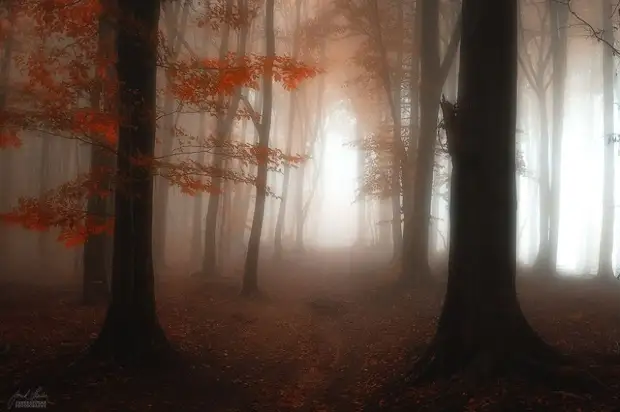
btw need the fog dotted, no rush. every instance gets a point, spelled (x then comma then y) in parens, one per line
(352, 111)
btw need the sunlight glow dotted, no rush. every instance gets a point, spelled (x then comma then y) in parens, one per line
(337, 220)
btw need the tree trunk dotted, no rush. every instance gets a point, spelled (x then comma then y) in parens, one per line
(197, 247)
(97, 249)
(414, 131)
(222, 133)
(481, 329)
(605, 267)
(415, 259)
(131, 332)
(250, 275)
(209, 257)
(289, 143)
(175, 21)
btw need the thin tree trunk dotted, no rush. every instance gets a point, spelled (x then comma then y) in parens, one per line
(223, 129)
(415, 260)
(415, 263)
(289, 142)
(197, 247)
(544, 190)
(250, 275)
(175, 20)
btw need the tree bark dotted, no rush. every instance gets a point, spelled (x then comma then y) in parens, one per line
(481, 329)
(131, 332)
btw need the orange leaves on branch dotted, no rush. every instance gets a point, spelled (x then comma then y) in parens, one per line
(70, 17)
(79, 234)
(217, 14)
(64, 208)
(291, 73)
(198, 82)
(96, 125)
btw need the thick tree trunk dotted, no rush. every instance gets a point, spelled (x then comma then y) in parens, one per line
(605, 267)
(131, 332)
(250, 275)
(481, 328)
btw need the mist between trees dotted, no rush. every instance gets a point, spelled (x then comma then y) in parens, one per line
(320, 149)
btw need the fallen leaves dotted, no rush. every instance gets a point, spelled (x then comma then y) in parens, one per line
(280, 354)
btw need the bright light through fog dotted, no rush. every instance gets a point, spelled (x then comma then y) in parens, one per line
(337, 220)
(580, 196)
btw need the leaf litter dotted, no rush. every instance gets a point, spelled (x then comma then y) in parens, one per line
(320, 339)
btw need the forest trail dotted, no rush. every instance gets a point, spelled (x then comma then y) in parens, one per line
(330, 333)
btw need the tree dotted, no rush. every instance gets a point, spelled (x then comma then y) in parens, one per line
(289, 143)
(222, 131)
(175, 19)
(535, 68)
(433, 72)
(263, 127)
(482, 328)
(131, 329)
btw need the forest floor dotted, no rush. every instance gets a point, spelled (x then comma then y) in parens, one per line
(326, 335)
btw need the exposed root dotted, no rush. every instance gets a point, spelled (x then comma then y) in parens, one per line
(130, 341)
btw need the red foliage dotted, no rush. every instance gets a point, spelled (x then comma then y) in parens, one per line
(64, 69)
